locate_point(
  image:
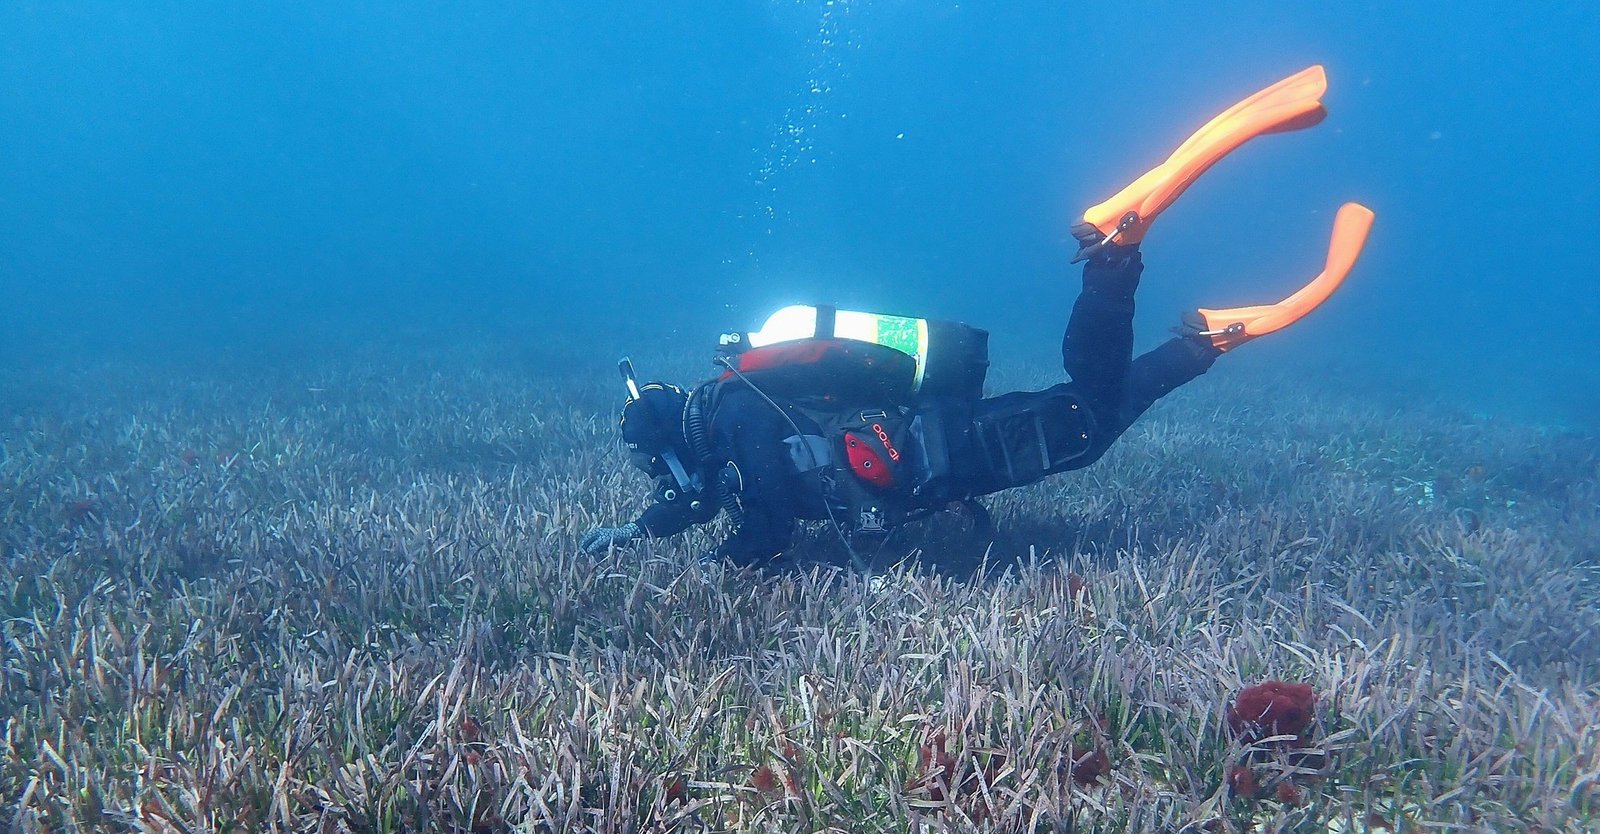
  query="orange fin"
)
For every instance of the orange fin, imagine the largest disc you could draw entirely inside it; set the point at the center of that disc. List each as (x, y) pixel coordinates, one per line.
(1229, 328)
(1291, 104)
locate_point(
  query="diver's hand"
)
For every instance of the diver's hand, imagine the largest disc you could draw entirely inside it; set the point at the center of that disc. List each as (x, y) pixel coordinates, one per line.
(601, 538)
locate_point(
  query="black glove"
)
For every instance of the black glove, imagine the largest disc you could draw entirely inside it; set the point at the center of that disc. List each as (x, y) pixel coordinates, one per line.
(601, 538)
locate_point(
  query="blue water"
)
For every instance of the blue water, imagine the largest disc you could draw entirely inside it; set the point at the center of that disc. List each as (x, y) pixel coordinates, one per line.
(180, 182)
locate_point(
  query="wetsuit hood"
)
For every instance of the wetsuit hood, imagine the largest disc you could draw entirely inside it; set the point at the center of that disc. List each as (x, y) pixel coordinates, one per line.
(652, 426)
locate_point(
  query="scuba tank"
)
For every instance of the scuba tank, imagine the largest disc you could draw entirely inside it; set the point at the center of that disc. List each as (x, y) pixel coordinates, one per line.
(948, 359)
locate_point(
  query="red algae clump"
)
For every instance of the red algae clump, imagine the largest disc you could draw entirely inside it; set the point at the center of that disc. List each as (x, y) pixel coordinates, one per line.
(1242, 781)
(80, 509)
(1087, 767)
(764, 779)
(937, 764)
(1272, 708)
(675, 790)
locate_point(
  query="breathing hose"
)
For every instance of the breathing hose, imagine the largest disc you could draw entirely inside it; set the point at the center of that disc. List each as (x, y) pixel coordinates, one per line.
(694, 430)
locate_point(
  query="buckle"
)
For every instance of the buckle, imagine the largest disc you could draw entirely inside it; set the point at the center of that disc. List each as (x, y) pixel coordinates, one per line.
(1089, 250)
(1234, 329)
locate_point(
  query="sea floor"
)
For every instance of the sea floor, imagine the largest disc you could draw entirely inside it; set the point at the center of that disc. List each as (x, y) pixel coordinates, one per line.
(349, 598)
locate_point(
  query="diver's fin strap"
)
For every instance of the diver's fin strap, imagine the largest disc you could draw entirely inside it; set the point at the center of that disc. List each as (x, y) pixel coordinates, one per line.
(1092, 241)
(1231, 330)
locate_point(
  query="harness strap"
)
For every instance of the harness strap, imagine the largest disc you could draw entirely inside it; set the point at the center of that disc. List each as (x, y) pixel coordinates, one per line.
(827, 318)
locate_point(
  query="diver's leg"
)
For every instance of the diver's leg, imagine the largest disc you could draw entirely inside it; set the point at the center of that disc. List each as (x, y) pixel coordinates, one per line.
(1156, 373)
(1098, 345)
(1210, 332)
(1148, 378)
(1207, 332)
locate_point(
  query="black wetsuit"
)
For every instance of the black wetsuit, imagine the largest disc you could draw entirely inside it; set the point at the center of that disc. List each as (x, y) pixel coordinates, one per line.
(748, 431)
(1082, 418)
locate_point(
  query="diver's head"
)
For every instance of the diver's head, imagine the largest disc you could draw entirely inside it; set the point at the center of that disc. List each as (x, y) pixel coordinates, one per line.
(652, 427)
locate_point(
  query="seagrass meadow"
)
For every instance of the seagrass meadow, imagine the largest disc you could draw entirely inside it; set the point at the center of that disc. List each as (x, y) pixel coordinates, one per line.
(350, 600)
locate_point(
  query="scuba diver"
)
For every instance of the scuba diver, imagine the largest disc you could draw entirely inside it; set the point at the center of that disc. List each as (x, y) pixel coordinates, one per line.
(869, 421)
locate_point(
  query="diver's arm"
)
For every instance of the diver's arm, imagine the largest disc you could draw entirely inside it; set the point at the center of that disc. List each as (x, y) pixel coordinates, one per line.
(762, 479)
(669, 518)
(661, 519)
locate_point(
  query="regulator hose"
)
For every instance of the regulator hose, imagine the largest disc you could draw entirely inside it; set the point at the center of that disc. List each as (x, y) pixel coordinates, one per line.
(694, 430)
